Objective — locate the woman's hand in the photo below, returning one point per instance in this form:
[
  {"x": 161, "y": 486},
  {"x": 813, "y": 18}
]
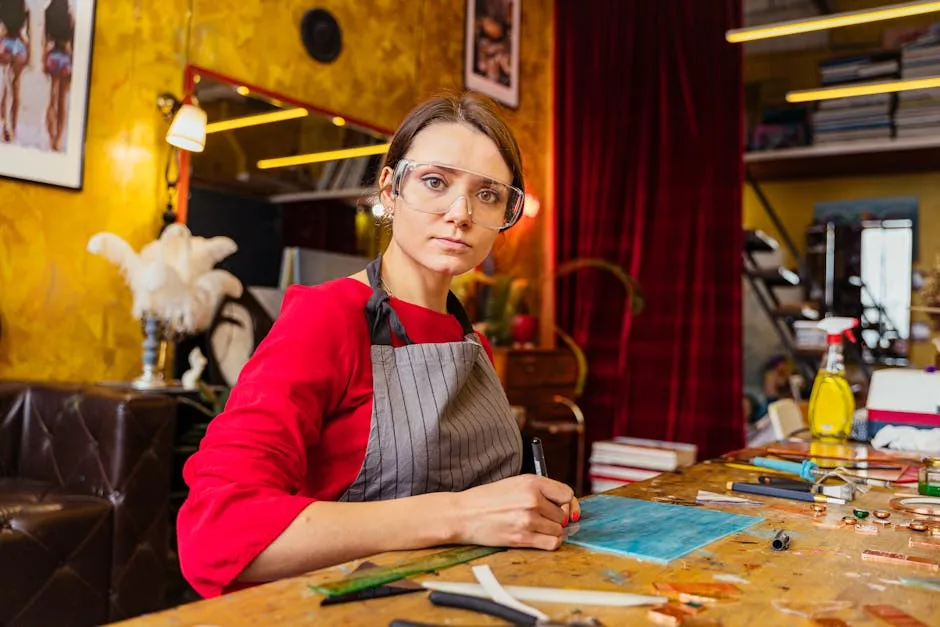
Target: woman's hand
[{"x": 522, "y": 511}]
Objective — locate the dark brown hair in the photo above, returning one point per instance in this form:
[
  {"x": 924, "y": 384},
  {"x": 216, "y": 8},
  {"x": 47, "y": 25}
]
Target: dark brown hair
[{"x": 467, "y": 108}]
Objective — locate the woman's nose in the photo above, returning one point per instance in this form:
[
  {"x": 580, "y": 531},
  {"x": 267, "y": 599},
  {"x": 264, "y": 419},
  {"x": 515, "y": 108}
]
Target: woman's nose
[{"x": 459, "y": 211}]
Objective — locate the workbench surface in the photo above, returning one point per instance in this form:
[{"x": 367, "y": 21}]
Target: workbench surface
[{"x": 822, "y": 564}]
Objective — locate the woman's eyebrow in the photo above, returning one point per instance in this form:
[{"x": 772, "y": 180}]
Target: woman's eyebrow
[{"x": 476, "y": 176}]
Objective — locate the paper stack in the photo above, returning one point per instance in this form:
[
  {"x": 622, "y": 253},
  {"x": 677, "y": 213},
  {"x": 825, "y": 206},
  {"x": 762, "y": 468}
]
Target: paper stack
[
  {"x": 918, "y": 111},
  {"x": 624, "y": 460}
]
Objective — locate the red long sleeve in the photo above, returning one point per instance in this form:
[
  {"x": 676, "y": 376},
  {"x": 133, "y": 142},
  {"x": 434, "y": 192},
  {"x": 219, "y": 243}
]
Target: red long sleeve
[
  {"x": 294, "y": 430},
  {"x": 247, "y": 480}
]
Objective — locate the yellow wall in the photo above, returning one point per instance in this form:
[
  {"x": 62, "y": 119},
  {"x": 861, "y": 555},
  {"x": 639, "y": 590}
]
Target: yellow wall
[
  {"x": 395, "y": 54},
  {"x": 65, "y": 313}
]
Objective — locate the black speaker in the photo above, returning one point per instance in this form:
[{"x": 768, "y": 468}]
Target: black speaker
[{"x": 321, "y": 36}]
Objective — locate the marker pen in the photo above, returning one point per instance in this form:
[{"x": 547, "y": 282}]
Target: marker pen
[{"x": 538, "y": 456}]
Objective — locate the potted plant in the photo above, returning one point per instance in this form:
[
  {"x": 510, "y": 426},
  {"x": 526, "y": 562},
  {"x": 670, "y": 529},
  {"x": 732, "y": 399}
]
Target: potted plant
[{"x": 505, "y": 317}]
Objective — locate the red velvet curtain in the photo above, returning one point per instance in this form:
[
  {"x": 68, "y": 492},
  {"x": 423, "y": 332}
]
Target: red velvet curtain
[{"x": 649, "y": 176}]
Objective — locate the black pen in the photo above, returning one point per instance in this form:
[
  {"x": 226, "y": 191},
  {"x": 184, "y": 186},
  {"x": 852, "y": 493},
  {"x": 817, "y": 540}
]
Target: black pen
[
  {"x": 538, "y": 456},
  {"x": 785, "y": 483}
]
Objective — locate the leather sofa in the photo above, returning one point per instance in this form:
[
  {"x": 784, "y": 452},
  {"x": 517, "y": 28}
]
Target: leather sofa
[{"x": 84, "y": 486}]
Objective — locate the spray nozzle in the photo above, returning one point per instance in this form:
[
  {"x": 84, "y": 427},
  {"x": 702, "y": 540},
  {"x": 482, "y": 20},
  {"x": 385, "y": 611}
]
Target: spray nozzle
[{"x": 835, "y": 328}]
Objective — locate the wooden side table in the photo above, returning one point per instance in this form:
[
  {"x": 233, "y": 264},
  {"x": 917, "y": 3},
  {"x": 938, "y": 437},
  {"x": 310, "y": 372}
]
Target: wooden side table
[{"x": 543, "y": 382}]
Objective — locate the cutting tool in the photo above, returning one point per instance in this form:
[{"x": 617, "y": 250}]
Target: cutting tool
[{"x": 492, "y": 608}]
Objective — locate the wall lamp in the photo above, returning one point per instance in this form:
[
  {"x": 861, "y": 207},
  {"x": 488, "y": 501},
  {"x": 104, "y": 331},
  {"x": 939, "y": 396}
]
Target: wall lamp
[
  {"x": 530, "y": 207},
  {"x": 835, "y": 20},
  {"x": 188, "y": 127}
]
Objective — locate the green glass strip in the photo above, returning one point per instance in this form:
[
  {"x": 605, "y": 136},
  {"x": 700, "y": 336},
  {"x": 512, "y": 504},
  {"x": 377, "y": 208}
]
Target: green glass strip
[{"x": 380, "y": 575}]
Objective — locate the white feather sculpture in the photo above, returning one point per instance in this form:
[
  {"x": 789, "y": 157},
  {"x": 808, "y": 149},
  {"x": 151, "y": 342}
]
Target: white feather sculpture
[{"x": 172, "y": 278}]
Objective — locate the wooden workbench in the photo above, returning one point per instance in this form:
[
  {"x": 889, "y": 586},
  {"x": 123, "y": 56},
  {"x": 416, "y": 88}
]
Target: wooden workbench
[{"x": 823, "y": 563}]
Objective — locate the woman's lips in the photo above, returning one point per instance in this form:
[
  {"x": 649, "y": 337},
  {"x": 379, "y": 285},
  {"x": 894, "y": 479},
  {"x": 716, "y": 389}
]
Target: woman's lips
[{"x": 451, "y": 244}]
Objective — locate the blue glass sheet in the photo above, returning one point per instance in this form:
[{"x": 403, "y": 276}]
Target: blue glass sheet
[{"x": 646, "y": 530}]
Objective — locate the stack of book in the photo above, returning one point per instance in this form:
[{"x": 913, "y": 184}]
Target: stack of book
[
  {"x": 857, "y": 117},
  {"x": 918, "y": 111},
  {"x": 625, "y": 460}
]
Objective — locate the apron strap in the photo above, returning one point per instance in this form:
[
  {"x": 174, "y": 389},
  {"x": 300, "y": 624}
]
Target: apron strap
[
  {"x": 382, "y": 319},
  {"x": 455, "y": 308}
]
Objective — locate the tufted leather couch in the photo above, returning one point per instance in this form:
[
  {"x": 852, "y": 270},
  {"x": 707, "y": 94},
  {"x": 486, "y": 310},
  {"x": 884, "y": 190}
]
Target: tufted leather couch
[{"x": 84, "y": 485}]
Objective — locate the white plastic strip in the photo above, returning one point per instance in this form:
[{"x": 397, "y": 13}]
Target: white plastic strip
[
  {"x": 704, "y": 496},
  {"x": 493, "y": 588},
  {"x": 551, "y": 595}
]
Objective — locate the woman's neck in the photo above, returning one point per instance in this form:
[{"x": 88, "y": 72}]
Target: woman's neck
[{"x": 405, "y": 279}]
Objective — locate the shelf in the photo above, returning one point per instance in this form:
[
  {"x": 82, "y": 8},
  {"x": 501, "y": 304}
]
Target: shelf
[{"x": 858, "y": 158}]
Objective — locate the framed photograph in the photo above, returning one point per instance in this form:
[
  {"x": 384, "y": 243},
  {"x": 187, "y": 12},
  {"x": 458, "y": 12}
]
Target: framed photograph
[
  {"x": 45, "y": 67},
  {"x": 491, "y": 50}
]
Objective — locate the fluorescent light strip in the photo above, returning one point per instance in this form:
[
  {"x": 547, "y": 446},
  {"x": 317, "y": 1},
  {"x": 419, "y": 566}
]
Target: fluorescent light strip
[
  {"x": 862, "y": 89},
  {"x": 318, "y": 157},
  {"x": 836, "y": 20},
  {"x": 255, "y": 120}
]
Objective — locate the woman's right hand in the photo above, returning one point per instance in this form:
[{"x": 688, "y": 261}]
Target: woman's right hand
[{"x": 526, "y": 511}]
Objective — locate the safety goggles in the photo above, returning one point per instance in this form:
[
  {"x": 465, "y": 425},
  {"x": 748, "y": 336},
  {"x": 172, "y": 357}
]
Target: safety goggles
[{"x": 435, "y": 187}]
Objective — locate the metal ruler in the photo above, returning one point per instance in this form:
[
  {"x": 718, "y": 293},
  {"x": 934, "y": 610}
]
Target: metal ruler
[{"x": 372, "y": 577}]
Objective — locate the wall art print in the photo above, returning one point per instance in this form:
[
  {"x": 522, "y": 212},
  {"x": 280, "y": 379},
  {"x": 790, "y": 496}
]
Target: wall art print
[
  {"x": 45, "y": 69},
  {"x": 491, "y": 49}
]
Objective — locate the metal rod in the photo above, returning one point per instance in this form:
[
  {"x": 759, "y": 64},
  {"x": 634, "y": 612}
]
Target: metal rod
[{"x": 784, "y": 234}]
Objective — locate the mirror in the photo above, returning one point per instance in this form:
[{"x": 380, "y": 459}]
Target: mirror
[
  {"x": 293, "y": 187},
  {"x": 278, "y": 177}
]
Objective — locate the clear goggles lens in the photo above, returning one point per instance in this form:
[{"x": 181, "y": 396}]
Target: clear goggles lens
[{"x": 433, "y": 188}]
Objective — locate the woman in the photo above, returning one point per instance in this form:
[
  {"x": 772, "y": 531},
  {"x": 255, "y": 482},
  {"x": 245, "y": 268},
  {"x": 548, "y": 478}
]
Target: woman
[
  {"x": 14, "y": 56},
  {"x": 57, "y": 64},
  {"x": 371, "y": 419}
]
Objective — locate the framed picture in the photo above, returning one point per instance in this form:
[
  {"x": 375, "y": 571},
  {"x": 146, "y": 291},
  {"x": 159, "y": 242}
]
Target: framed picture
[
  {"x": 491, "y": 49},
  {"x": 45, "y": 67}
]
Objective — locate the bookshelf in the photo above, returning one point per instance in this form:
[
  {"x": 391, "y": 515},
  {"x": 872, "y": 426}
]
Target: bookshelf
[{"x": 855, "y": 158}]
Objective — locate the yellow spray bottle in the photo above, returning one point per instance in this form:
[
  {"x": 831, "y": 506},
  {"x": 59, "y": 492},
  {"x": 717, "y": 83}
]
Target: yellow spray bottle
[{"x": 831, "y": 404}]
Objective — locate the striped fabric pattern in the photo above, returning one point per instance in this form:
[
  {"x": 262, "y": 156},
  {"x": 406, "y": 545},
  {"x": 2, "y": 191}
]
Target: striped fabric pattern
[{"x": 440, "y": 422}]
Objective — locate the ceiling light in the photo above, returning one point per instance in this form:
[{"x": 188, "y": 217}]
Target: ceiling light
[
  {"x": 241, "y": 90},
  {"x": 862, "y": 89},
  {"x": 255, "y": 120},
  {"x": 835, "y": 20},
  {"x": 338, "y": 121},
  {"x": 318, "y": 157}
]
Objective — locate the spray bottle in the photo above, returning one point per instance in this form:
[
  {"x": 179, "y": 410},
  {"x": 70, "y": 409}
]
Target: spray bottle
[{"x": 831, "y": 404}]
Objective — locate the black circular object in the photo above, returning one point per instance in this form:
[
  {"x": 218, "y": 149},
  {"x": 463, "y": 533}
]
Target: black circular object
[{"x": 321, "y": 36}]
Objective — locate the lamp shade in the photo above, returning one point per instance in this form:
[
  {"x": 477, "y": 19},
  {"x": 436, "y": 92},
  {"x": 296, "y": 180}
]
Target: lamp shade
[{"x": 188, "y": 129}]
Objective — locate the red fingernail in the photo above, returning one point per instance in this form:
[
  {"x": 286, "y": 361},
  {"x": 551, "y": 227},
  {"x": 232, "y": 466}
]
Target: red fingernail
[
  {"x": 565, "y": 524},
  {"x": 575, "y": 516}
]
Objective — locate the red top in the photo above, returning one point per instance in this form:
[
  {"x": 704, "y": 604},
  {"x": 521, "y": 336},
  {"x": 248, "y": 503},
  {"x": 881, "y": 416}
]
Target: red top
[{"x": 294, "y": 430}]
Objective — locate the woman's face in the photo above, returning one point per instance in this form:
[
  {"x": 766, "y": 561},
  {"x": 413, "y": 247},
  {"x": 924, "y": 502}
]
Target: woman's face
[{"x": 449, "y": 243}]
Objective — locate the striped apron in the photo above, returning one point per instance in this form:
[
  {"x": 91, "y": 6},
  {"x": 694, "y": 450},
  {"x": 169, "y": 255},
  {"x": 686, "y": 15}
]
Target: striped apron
[{"x": 440, "y": 418}]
